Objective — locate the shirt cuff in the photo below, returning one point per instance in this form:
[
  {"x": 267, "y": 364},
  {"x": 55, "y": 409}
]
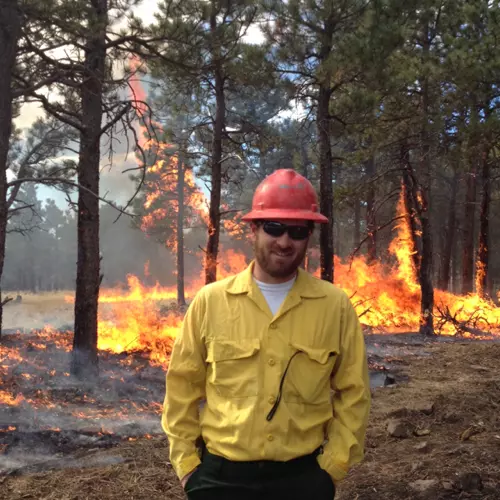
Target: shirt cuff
[
  {"x": 187, "y": 465},
  {"x": 337, "y": 472}
]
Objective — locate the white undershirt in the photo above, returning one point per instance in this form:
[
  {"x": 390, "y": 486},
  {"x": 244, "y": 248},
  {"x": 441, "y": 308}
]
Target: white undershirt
[{"x": 275, "y": 294}]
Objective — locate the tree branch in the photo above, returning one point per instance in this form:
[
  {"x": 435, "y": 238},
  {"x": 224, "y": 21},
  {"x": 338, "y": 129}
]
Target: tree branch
[{"x": 59, "y": 180}]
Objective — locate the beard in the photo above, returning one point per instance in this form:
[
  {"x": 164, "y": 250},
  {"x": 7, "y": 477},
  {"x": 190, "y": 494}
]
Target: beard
[{"x": 276, "y": 267}]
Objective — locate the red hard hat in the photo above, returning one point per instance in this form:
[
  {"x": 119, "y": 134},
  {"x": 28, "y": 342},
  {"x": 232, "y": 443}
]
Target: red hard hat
[{"x": 285, "y": 194}]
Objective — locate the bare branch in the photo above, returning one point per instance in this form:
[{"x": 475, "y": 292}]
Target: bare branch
[
  {"x": 50, "y": 108},
  {"x": 59, "y": 180},
  {"x": 368, "y": 236},
  {"x": 126, "y": 108},
  {"x": 6, "y": 301}
]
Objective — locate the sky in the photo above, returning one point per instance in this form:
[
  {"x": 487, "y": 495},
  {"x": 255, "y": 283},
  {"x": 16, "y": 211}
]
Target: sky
[{"x": 115, "y": 185}]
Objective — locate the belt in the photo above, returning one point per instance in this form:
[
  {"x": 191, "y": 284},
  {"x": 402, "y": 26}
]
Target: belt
[{"x": 259, "y": 468}]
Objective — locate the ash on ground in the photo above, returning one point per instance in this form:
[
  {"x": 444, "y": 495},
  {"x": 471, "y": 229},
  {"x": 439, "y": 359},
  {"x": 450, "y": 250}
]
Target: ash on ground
[{"x": 46, "y": 414}]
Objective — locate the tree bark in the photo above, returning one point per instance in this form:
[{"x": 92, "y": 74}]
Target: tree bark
[
  {"x": 304, "y": 159},
  {"x": 422, "y": 200},
  {"x": 482, "y": 265},
  {"x": 181, "y": 300},
  {"x": 84, "y": 362},
  {"x": 10, "y": 31},
  {"x": 326, "y": 185},
  {"x": 411, "y": 215},
  {"x": 357, "y": 222},
  {"x": 425, "y": 275},
  {"x": 448, "y": 238},
  {"x": 468, "y": 230},
  {"x": 326, "y": 242},
  {"x": 470, "y": 203},
  {"x": 371, "y": 220},
  {"x": 216, "y": 184},
  {"x": 418, "y": 210}
]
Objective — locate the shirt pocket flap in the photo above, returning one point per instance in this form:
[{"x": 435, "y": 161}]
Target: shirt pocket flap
[
  {"x": 225, "y": 350},
  {"x": 318, "y": 354}
]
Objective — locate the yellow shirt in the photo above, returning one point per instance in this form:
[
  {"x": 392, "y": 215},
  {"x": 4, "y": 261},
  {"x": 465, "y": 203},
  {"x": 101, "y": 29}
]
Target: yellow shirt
[{"x": 232, "y": 353}]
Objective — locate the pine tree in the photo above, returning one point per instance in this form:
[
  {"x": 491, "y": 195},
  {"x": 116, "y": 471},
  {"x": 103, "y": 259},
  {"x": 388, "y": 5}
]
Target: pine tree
[
  {"x": 311, "y": 45},
  {"x": 206, "y": 54}
]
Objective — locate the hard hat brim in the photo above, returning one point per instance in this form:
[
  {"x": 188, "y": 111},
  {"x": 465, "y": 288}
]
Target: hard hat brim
[{"x": 273, "y": 214}]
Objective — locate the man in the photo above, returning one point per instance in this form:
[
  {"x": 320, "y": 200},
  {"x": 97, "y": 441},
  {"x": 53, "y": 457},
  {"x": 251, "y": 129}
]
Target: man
[{"x": 263, "y": 350}]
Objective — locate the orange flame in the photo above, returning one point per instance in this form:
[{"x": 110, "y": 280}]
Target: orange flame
[
  {"x": 386, "y": 298},
  {"x": 9, "y": 399}
]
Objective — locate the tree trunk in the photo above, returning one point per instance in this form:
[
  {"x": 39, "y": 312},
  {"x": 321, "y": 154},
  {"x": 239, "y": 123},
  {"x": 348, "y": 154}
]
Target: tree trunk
[
  {"x": 181, "y": 301},
  {"x": 418, "y": 218},
  {"x": 216, "y": 184},
  {"x": 482, "y": 265},
  {"x": 411, "y": 215},
  {"x": 326, "y": 240},
  {"x": 304, "y": 159},
  {"x": 425, "y": 276},
  {"x": 455, "y": 267},
  {"x": 10, "y": 31},
  {"x": 423, "y": 202},
  {"x": 371, "y": 221},
  {"x": 448, "y": 238},
  {"x": 326, "y": 185},
  {"x": 84, "y": 362},
  {"x": 468, "y": 231},
  {"x": 470, "y": 202},
  {"x": 357, "y": 222}
]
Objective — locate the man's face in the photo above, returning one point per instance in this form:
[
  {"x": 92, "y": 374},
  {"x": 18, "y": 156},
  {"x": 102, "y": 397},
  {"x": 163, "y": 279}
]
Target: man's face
[{"x": 279, "y": 256}]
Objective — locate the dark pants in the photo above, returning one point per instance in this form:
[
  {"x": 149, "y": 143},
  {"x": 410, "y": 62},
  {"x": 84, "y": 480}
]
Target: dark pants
[{"x": 298, "y": 479}]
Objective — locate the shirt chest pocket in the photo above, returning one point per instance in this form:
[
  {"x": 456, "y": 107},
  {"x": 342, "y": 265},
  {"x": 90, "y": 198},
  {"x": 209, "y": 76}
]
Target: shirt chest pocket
[
  {"x": 308, "y": 377},
  {"x": 233, "y": 370}
]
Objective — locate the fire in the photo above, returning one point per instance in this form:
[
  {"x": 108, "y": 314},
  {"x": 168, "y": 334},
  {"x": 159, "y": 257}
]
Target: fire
[
  {"x": 140, "y": 320},
  {"x": 403, "y": 248},
  {"x": 162, "y": 199},
  {"x": 9, "y": 399},
  {"x": 144, "y": 319},
  {"x": 10, "y": 428},
  {"x": 387, "y": 298}
]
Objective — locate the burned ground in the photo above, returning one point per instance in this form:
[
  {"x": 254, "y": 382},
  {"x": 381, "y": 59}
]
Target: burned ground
[{"x": 444, "y": 407}]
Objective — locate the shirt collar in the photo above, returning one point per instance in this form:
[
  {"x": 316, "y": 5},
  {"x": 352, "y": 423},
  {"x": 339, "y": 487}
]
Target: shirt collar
[{"x": 306, "y": 285}]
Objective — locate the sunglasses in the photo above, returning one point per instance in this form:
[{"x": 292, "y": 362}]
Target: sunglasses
[{"x": 277, "y": 229}]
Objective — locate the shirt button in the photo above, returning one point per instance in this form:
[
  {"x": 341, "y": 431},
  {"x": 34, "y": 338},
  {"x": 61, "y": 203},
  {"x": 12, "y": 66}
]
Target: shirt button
[
  {"x": 272, "y": 400},
  {"x": 272, "y": 362},
  {"x": 273, "y": 326},
  {"x": 270, "y": 437}
]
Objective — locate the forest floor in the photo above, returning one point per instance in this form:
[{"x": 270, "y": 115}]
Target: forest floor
[
  {"x": 433, "y": 434},
  {"x": 36, "y": 310}
]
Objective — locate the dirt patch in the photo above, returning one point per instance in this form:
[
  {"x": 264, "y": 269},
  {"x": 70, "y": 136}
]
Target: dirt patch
[
  {"x": 448, "y": 412},
  {"x": 451, "y": 446}
]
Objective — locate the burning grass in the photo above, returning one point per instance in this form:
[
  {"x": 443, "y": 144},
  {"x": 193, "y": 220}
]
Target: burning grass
[{"x": 387, "y": 299}]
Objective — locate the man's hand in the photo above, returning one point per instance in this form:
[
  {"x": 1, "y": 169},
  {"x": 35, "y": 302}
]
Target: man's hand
[{"x": 185, "y": 479}]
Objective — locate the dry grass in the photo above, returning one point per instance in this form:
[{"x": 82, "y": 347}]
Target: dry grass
[
  {"x": 43, "y": 298},
  {"x": 145, "y": 474},
  {"x": 37, "y": 310},
  {"x": 463, "y": 382}
]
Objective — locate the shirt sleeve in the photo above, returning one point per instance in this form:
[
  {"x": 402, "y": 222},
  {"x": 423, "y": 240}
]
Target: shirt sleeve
[
  {"x": 185, "y": 387},
  {"x": 351, "y": 400}
]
